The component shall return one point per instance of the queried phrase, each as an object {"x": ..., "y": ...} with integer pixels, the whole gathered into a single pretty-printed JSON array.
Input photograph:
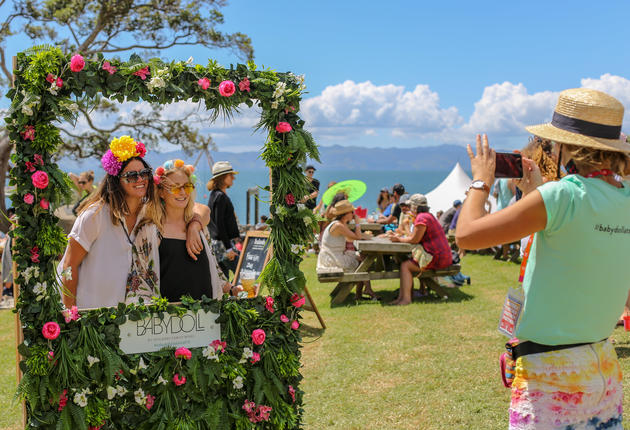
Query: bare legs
[
  {"x": 407, "y": 271},
  {"x": 368, "y": 289}
]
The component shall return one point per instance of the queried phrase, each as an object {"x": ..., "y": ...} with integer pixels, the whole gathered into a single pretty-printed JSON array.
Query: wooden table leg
[
  {"x": 434, "y": 285},
  {"x": 343, "y": 289}
]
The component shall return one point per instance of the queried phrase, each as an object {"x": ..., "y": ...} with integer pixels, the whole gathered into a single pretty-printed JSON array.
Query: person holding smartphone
[{"x": 566, "y": 370}]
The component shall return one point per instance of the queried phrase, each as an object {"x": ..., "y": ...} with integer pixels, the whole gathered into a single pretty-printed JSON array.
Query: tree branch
[
  {"x": 173, "y": 43},
  {"x": 3, "y": 65}
]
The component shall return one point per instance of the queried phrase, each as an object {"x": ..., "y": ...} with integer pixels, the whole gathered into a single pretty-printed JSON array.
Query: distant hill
[{"x": 432, "y": 158}]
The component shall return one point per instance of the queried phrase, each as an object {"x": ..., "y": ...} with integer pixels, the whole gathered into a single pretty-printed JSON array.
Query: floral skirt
[{"x": 576, "y": 388}]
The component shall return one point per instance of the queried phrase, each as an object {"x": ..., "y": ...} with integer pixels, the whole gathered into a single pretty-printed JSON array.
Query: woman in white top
[
  {"x": 332, "y": 254},
  {"x": 98, "y": 256}
]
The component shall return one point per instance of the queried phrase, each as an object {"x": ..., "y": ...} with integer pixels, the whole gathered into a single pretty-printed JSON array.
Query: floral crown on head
[
  {"x": 120, "y": 150},
  {"x": 174, "y": 164}
]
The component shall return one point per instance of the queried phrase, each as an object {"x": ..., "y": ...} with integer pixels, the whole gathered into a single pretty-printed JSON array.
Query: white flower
[
  {"x": 162, "y": 380},
  {"x": 141, "y": 364},
  {"x": 190, "y": 60},
  {"x": 210, "y": 353},
  {"x": 307, "y": 220},
  {"x": 247, "y": 354},
  {"x": 301, "y": 206},
  {"x": 238, "y": 382},
  {"x": 80, "y": 398},
  {"x": 67, "y": 274},
  {"x": 280, "y": 90},
  {"x": 27, "y": 110},
  {"x": 40, "y": 290},
  {"x": 156, "y": 82},
  {"x": 30, "y": 272},
  {"x": 140, "y": 397},
  {"x": 53, "y": 90},
  {"x": 121, "y": 390},
  {"x": 274, "y": 105},
  {"x": 111, "y": 393},
  {"x": 91, "y": 360},
  {"x": 296, "y": 248},
  {"x": 73, "y": 107}
]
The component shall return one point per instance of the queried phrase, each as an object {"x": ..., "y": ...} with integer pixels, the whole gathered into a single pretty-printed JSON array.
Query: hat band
[
  {"x": 586, "y": 128},
  {"x": 221, "y": 172}
]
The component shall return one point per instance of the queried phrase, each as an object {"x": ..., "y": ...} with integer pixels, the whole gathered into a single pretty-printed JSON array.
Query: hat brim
[
  {"x": 223, "y": 173},
  {"x": 335, "y": 213},
  {"x": 551, "y": 132}
]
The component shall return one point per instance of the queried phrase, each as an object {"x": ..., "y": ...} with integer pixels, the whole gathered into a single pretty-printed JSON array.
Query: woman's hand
[
  {"x": 194, "y": 245},
  {"x": 394, "y": 238},
  {"x": 532, "y": 178},
  {"x": 484, "y": 163}
]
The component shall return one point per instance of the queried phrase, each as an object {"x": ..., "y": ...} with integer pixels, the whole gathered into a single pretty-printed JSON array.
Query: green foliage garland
[{"x": 81, "y": 379}]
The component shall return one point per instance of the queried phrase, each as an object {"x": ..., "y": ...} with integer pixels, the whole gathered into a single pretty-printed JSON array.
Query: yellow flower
[
  {"x": 179, "y": 163},
  {"x": 123, "y": 148}
]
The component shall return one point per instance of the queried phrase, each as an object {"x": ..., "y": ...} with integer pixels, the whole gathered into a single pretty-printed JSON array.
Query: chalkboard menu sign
[{"x": 255, "y": 254}]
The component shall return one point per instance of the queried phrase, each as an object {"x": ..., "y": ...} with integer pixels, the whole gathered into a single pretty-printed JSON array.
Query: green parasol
[{"x": 352, "y": 187}]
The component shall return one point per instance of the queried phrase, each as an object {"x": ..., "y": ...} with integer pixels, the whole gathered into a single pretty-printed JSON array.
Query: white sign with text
[{"x": 191, "y": 330}]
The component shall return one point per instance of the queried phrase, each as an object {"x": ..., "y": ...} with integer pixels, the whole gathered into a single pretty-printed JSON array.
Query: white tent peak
[{"x": 452, "y": 188}]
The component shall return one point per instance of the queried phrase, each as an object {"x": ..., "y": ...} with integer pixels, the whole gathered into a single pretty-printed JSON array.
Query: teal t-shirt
[{"x": 578, "y": 274}]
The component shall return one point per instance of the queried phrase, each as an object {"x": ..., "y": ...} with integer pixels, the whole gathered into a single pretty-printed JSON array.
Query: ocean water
[{"x": 414, "y": 182}]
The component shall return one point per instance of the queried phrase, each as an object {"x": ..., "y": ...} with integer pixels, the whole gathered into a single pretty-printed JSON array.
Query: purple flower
[{"x": 110, "y": 164}]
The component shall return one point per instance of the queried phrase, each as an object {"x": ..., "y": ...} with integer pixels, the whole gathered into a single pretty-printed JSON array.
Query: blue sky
[{"x": 420, "y": 73}]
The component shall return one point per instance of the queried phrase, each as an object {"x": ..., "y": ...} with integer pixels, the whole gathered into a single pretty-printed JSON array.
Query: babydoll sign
[{"x": 190, "y": 330}]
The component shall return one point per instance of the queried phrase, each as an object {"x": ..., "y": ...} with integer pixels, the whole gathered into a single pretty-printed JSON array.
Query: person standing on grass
[
  {"x": 566, "y": 370},
  {"x": 310, "y": 200}
]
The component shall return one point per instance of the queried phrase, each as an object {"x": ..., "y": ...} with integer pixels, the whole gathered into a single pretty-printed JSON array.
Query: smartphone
[{"x": 509, "y": 165}]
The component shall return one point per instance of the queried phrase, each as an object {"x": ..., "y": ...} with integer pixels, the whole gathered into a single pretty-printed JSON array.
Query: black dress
[
  {"x": 181, "y": 275},
  {"x": 223, "y": 225}
]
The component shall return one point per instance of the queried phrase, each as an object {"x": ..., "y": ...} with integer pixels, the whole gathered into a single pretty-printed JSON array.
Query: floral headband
[
  {"x": 174, "y": 164},
  {"x": 120, "y": 150}
]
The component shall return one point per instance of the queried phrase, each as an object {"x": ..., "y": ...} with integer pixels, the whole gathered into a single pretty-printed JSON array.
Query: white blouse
[{"x": 103, "y": 271}]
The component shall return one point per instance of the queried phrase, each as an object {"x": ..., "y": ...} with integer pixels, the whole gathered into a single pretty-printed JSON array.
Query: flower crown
[
  {"x": 120, "y": 150},
  {"x": 174, "y": 164}
]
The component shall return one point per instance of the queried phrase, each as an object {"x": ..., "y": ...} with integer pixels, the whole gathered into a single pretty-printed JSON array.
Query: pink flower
[
  {"x": 218, "y": 345},
  {"x": 255, "y": 357},
  {"x": 51, "y": 355},
  {"x": 28, "y": 133},
  {"x": 249, "y": 407},
  {"x": 59, "y": 83},
  {"x": 71, "y": 314},
  {"x": 269, "y": 304},
  {"x": 29, "y": 199},
  {"x": 258, "y": 336},
  {"x": 77, "y": 63},
  {"x": 179, "y": 381},
  {"x": 262, "y": 412},
  {"x": 295, "y": 325},
  {"x": 35, "y": 254},
  {"x": 50, "y": 78},
  {"x": 141, "y": 150},
  {"x": 40, "y": 179},
  {"x": 289, "y": 199},
  {"x": 63, "y": 400},
  {"x": 283, "y": 127},
  {"x": 183, "y": 353},
  {"x": 97, "y": 427},
  {"x": 204, "y": 83},
  {"x": 110, "y": 163},
  {"x": 107, "y": 66},
  {"x": 43, "y": 203},
  {"x": 30, "y": 166},
  {"x": 143, "y": 73},
  {"x": 51, "y": 330},
  {"x": 227, "y": 88},
  {"x": 292, "y": 392},
  {"x": 297, "y": 300},
  {"x": 284, "y": 318},
  {"x": 38, "y": 159},
  {"x": 150, "y": 401},
  {"x": 156, "y": 179},
  {"x": 244, "y": 85}
]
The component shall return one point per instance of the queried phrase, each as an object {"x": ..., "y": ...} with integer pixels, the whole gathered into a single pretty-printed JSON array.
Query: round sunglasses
[{"x": 135, "y": 176}]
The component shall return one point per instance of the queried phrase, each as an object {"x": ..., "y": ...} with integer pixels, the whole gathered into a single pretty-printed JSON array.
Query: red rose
[
  {"x": 183, "y": 353},
  {"x": 40, "y": 179},
  {"x": 227, "y": 88},
  {"x": 51, "y": 330},
  {"x": 283, "y": 127},
  {"x": 297, "y": 300},
  {"x": 258, "y": 336},
  {"x": 77, "y": 63},
  {"x": 269, "y": 304}
]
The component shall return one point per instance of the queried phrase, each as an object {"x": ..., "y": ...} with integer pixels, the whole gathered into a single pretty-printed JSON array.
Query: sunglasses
[
  {"x": 310, "y": 171},
  {"x": 188, "y": 188},
  {"x": 82, "y": 182},
  {"x": 133, "y": 177}
]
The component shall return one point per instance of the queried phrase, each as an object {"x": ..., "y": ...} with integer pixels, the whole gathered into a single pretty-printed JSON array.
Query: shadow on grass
[
  {"x": 623, "y": 352},
  {"x": 455, "y": 295},
  {"x": 309, "y": 331}
]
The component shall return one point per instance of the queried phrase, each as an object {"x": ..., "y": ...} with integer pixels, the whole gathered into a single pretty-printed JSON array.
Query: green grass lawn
[{"x": 430, "y": 365}]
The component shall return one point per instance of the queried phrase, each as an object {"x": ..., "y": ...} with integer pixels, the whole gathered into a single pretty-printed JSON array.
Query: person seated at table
[
  {"x": 431, "y": 250},
  {"x": 390, "y": 218},
  {"x": 405, "y": 221},
  {"x": 333, "y": 255},
  {"x": 383, "y": 200}
]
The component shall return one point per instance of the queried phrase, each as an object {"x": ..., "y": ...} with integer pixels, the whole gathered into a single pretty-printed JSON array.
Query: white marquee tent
[{"x": 452, "y": 188}]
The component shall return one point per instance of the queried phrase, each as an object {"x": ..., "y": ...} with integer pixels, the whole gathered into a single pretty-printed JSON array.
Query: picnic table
[
  {"x": 368, "y": 226},
  {"x": 374, "y": 267}
]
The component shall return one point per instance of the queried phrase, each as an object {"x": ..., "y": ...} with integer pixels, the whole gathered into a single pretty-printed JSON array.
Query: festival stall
[{"x": 216, "y": 364}]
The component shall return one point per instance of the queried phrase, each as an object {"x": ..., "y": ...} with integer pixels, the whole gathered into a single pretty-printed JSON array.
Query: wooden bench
[{"x": 427, "y": 278}]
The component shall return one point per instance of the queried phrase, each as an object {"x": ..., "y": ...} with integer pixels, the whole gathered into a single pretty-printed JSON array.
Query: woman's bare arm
[
  {"x": 416, "y": 237},
  {"x": 74, "y": 256}
]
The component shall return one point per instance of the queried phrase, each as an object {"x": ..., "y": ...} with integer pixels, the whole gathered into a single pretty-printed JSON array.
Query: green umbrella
[{"x": 353, "y": 188}]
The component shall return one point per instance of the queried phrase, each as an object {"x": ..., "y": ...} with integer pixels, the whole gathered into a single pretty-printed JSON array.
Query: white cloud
[{"x": 616, "y": 86}]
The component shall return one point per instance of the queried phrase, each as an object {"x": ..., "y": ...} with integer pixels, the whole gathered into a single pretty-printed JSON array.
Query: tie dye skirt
[{"x": 573, "y": 389}]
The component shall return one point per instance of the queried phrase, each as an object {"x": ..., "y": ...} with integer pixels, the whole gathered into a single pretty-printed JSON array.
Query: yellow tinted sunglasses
[{"x": 188, "y": 188}]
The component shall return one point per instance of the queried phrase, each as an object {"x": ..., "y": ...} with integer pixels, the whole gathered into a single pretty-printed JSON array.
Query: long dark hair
[{"x": 110, "y": 192}]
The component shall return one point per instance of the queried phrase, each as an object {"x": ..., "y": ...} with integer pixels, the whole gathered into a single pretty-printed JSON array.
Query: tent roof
[{"x": 452, "y": 188}]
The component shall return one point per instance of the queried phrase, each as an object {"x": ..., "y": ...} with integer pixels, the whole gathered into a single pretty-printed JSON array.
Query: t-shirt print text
[{"x": 610, "y": 230}]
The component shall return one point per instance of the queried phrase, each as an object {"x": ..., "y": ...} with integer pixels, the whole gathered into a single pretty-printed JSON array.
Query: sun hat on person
[
  {"x": 221, "y": 168},
  {"x": 457, "y": 203},
  {"x": 417, "y": 200},
  {"x": 404, "y": 200},
  {"x": 342, "y": 207},
  {"x": 585, "y": 117}
]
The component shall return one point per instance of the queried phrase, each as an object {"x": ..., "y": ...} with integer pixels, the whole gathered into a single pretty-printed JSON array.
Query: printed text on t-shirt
[{"x": 610, "y": 230}]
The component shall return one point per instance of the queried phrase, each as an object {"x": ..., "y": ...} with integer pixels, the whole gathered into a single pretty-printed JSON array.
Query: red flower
[
  {"x": 289, "y": 199},
  {"x": 292, "y": 392},
  {"x": 295, "y": 325},
  {"x": 77, "y": 63},
  {"x": 28, "y": 133},
  {"x": 284, "y": 318},
  {"x": 227, "y": 88},
  {"x": 38, "y": 159},
  {"x": 283, "y": 127},
  {"x": 107, "y": 66},
  {"x": 217, "y": 344},
  {"x": 35, "y": 254},
  {"x": 51, "y": 330},
  {"x": 63, "y": 400},
  {"x": 255, "y": 357},
  {"x": 40, "y": 179},
  {"x": 269, "y": 304},
  {"x": 258, "y": 336},
  {"x": 150, "y": 401},
  {"x": 143, "y": 73},
  {"x": 179, "y": 381},
  {"x": 204, "y": 83},
  {"x": 59, "y": 82},
  {"x": 43, "y": 203},
  {"x": 244, "y": 85},
  {"x": 50, "y": 78},
  {"x": 141, "y": 150},
  {"x": 183, "y": 353},
  {"x": 30, "y": 166},
  {"x": 297, "y": 300}
]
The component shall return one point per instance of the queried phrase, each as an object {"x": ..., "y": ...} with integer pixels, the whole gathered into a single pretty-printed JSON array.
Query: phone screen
[{"x": 509, "y": 165}]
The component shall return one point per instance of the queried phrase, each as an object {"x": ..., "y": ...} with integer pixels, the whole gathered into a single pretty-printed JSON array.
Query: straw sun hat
[
  {"x": 585, "y": 117},
  {"x": 342, "y": 207}
]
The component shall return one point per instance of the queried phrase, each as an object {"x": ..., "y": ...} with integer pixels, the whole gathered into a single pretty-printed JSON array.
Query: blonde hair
[
  {"x": 539, "y": 150},
  {"x": 156, "y": 209},
  {"x": 587, "y": 159}
]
